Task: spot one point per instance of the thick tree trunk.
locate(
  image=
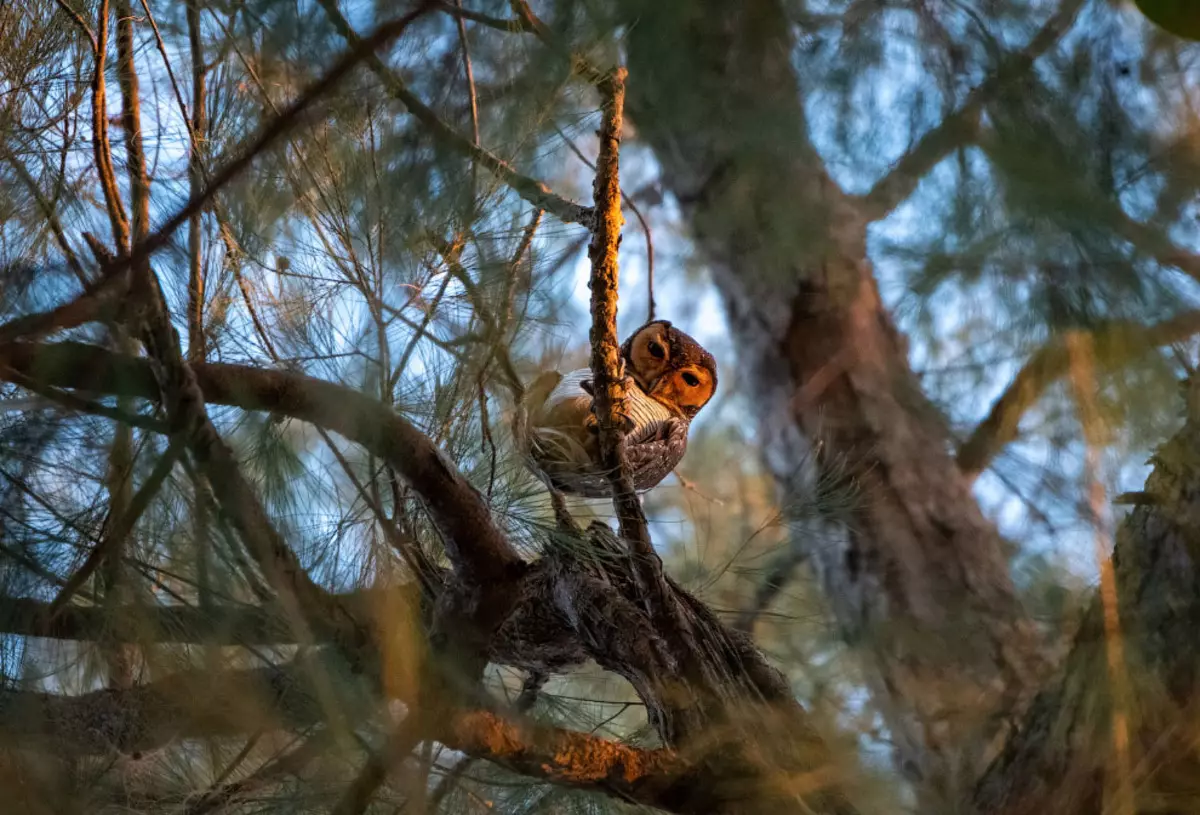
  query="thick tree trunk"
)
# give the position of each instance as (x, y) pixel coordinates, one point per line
(920, 582)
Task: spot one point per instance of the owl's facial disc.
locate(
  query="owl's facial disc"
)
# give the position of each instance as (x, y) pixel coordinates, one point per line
(685, 390)
(649, 355)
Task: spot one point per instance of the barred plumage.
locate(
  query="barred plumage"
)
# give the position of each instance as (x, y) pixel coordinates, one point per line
(670, 377)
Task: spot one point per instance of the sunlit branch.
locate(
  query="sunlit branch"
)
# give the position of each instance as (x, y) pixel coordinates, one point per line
(608, 385)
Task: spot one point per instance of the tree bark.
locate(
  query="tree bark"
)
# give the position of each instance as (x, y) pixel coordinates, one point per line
(919, 582)
(1062, 759)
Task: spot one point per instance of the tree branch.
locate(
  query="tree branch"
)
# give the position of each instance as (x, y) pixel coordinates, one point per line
(110, 543)
(284, 123)
(1060, 757)
(191, 704)
(1118, 343)
(530, 189)
(959, 128)
(220, 625)
(474, 543)
(197, 704)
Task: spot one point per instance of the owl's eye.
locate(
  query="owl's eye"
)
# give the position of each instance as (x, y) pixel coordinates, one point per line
(691, 379)
(656, 350)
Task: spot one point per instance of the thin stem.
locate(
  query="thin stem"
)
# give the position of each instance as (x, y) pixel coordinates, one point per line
(1083, 379)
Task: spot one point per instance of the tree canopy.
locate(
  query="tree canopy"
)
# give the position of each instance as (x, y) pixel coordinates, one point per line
(276, 275)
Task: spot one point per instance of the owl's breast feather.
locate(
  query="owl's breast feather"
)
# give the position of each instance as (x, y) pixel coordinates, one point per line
(565, 449)
(648, 414)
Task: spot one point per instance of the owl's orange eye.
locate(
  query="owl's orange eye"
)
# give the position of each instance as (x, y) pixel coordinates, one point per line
(691, 379)
(656, 350)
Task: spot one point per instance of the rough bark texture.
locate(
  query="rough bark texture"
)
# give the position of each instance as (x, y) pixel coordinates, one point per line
(921, 584)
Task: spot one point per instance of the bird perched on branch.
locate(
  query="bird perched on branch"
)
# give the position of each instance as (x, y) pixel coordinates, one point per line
(669, 378)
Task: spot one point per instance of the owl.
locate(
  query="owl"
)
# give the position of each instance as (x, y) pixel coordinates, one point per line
(669, 378)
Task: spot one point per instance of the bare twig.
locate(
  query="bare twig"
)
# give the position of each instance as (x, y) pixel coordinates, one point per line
(641, 220)
(533, 191)
(122, 527)
(959, 128)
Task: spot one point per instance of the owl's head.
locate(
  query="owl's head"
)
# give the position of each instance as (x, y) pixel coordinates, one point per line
(671, 367)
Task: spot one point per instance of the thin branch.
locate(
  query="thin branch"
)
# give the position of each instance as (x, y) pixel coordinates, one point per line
(200, 704)
(475, 544)
(131, 121)
(198, 132)
(121, 528)
(959, 128)
(608, 384)
(573, 759)
(215, 624)
(72, 401)
(507, 24)
(641, 220)
(126, 508)
(579, 63)
(398, 745)
(532, 190)
(1119, 342)
(469, 72)
(81, 24)
(101, 148)
(1081, 362)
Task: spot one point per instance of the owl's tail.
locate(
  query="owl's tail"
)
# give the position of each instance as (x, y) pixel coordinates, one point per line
(528, 410)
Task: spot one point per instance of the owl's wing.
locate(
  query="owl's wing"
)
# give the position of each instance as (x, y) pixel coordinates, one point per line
(653, 453)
